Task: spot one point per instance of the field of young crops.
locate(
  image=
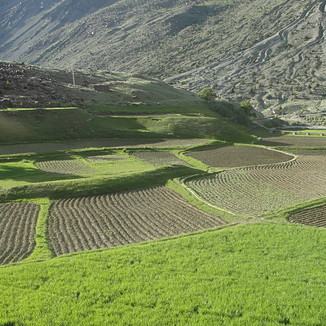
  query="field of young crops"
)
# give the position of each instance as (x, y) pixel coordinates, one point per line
(261, 189)
(122, 218)
(250, 274)
(159, 158)
(17, 229)
(232, 156)
(71, 167)
(314, 217)
(297, 141)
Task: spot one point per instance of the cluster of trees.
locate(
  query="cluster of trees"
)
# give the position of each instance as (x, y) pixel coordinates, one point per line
(239, 113)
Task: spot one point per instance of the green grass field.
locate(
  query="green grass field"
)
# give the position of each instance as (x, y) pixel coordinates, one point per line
(254, 274)
(49, 125)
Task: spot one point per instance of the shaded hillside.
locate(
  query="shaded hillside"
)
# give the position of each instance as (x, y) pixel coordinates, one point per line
(268, 50)
(41, 104)
(161, 37)
(30, 86)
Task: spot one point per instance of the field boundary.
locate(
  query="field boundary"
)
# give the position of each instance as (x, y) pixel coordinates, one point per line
(195, 176)
(41, 250)
(192, 192)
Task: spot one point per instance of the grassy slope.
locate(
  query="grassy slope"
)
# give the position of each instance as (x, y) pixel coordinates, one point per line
(79, 124)
(256, 274)
(124, 106)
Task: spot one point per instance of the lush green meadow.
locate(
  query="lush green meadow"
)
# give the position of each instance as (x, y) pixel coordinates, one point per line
(253, 274)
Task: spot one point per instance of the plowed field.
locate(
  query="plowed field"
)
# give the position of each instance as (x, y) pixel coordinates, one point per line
(107, 158)
(304, 152)
(17, 229)
(159, 158)
(122, 218)
(298, 141)
(231, 156)
(72, 167)
(262, 189)
(313, 217)
(79, 144)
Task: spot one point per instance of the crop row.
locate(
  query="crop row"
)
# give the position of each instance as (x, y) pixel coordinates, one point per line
(313, 217)
(71, 167)
(107, 158)
(79, 144)
(261, 189)
(17, 229)
(159, 158)
(232, 156)
(117, 219)
(298, 141)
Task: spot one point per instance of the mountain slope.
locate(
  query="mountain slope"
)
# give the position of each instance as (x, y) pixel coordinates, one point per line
(36, 105)
(286, 67)
(263, 49)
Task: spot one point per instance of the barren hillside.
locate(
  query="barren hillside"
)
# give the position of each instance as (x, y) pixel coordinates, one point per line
(270, 51)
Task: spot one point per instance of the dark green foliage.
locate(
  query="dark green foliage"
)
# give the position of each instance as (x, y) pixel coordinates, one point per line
(274, 123)
(233, 112)
(207, 94)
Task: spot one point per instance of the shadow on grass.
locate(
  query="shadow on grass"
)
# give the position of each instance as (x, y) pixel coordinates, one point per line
(97, 185)
(30, 174)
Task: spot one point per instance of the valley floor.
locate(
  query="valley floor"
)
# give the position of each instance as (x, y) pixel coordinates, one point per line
(205, 233)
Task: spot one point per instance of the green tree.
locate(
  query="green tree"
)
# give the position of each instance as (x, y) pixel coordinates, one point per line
(207, 94)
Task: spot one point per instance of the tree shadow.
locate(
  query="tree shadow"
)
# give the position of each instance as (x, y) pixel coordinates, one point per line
(30, 174)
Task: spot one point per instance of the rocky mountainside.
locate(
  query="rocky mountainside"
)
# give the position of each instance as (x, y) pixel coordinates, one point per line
(282, 73)
(25, 86)
(270, 51)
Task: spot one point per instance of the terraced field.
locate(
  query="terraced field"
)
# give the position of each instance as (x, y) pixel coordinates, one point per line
(71, 167)
(159, 158)
(298, 141)
(261, 189)
(79, 144)
(231, 156)
(308, 152)
(107, 158)
(17, 229)
(313, 217)
(117, 219)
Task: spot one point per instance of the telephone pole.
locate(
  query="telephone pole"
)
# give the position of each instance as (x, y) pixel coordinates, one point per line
(73, 75)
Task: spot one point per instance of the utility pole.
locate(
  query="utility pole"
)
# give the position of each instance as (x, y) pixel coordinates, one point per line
(73, 75)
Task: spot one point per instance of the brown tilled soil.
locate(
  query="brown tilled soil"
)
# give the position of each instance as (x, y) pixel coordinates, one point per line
(232, 156)
(79, 144)
(107, 158)
(256, 190)
(122, 218)
(17, 229)
(71, 167)
(312, 217)
(308, 152)
(297, 141)
(159, 158)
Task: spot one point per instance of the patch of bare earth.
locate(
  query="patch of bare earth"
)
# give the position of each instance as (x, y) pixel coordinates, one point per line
(17, 229)
(122, 218)
(297, 141)
(159, 158)
(80, 144)
(71, 167)
(233, 156)
(256, 190)
(312, 217)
